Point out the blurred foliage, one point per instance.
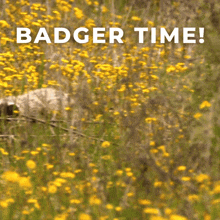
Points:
(143, 139)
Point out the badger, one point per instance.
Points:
(44, 101)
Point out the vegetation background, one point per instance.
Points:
(141, 142)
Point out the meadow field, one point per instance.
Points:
(142, 139)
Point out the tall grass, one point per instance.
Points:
(141, 141)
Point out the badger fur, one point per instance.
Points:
(36, 103)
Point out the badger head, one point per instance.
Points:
(8, 108)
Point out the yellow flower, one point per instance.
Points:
(154, 76)
(150, 23)
(177, 217)
(16, 112)
(67, 108)
(95, 170)
(52, 189)
(193, 197)
(96, 3)
(4, 40)
(59, 181)
(119, 172)
(144, 202)
(185, 178)
(44, 189)
(31, 201)
(36, 24)
(157, 218)
(75, 201)
(104, 9)
(46, 145)
(205, 104)
(118, 208)
(61, 216)
(171, 68)
(105, 144)
(202, 177)
(25, 212)
(207, 217)
(146, 90)
(181, 168)
(152, 143)
(90, 23)
(3, 151)
(106, 157)
(109, 206)
(149, 120)
(130, 194)
(98, 117)
(104, 217)
(163, 148)
(216, 190)
(64, 60)
(4, 23)
(31, 164)
(158, 184)
(78, 13)
(10, 200)
(216, 201)
(94, 200)
(151, 211)
(135, 18)
(49, 166)
(35, 202)
(67, 175)
(197, 115)
(3, 204)
(166, 154)
(88, 2)
(34, 153)
(11, 176)
(168, 211)
(187, 57)
(24, 182)
(84, 216)
(153, 151)
(116, 113)
(129, 173)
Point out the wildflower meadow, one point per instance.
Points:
(141, 140)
